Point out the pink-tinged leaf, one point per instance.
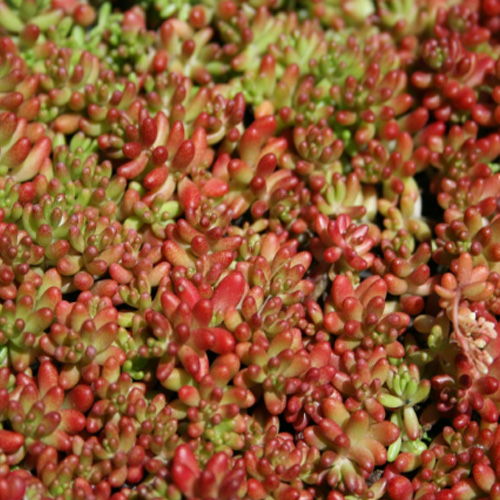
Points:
(202, 312)
(159, 155)
(183, 314)
(155, 178)
(190, 360)
(321, 354)
(478, 291)
(164, 370)
(162, 126)
(29, 396)
(489, 411)
(364, 457)
(15, 486)
(134, 168)
(267, 165)
(67, 124)
(333, 323)
(224, 368)
(70, 375)
(373, 286)
(275, 402)
(256, 489)
(335, 410)
(407, 462)
(54, 398)
(186, 231)
(239, 396)
(229, 291)
(119, 274)
(298, 366)
(400, 488)
(81, 398)
(465, 268)
(10, 441)
(47, 377)
(169, 303)
(189, 395)
(202, 339)
(220, 167)
(176, 255)
(341, 290)
(118, 477)
(4, 399)
(184, 156)
(411, 423)
(105, 336)
(378, 451)
(186, 291)
(105, 288)
(218, 465)
(33, 163)
(149, 131)
(249, 147)
(303, 259)
(175, 138)
(215, 188)
(265, 126)
(385, 432)
(202, 156)
(132, 150)
(224, 259)
(224, 341)
(282, 341)
(330, 430)
(18, 152)
(158, 323)
(358, 424)
(184, 454)
(134, 19)
(189, 194)
(484, 476)
(72, 421)
(395, 350)
(47, 456)
(232, 483)
(375, 409)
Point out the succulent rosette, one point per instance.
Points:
(249, 250)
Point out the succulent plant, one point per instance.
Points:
(249, 249)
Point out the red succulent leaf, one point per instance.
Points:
(229, 292)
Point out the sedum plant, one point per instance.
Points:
(249, 250)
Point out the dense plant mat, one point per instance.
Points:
(250, 250)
